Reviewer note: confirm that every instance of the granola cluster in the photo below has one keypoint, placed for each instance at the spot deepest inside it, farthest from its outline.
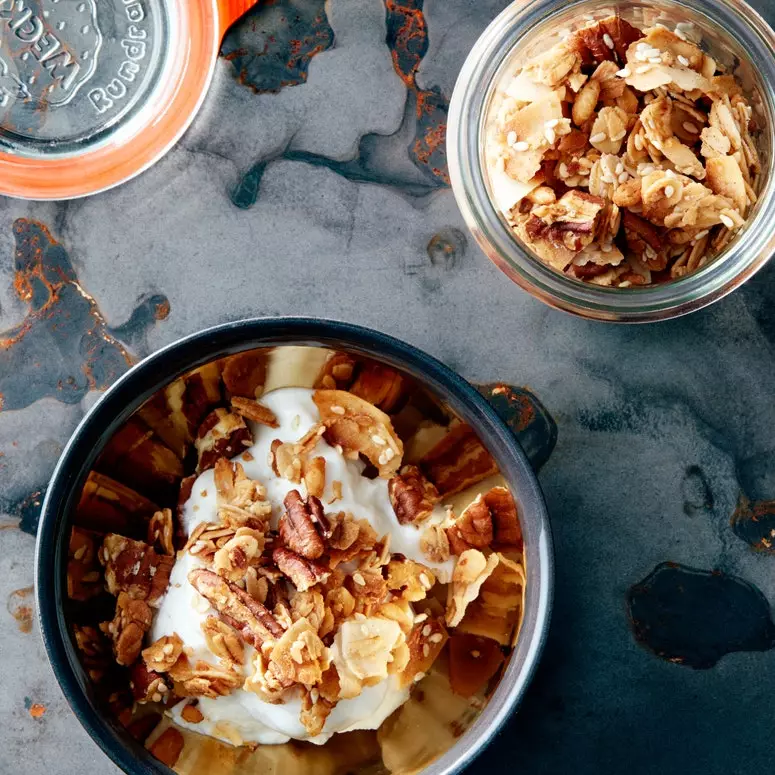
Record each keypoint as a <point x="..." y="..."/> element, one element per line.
<point x="624" y="157"/>
<point x="302" y="600"/>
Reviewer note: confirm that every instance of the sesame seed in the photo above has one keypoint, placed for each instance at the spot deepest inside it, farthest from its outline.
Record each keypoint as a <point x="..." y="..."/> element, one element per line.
<point x="511" y="138"/>
<point x="700" y="234"/>
<point x="640" y="69"/>
<point x="424" y="580"/>
<point x="436" y="637"/>
<point x="619" y="168"/>
<point x="521" y="146"/>
<point x="624" y="72"/>
<point x="638" y="142"/>
<point x="426" y="650"/>
<point x="669" y="191"/>
<point x="378" y="440"/>
<point x="598" y="138"/>
<point x="420" y="618"/>
<point x="689" y="127"/>
<point x="623" y="177"/>
<point x="655" y="60"/>
<point x="563" y="170"/>
<point x="727" y="221"/>
<point x="608" y="40"/>
<point x="669" y="173"/>
<point x="551" y="123"/>
<point x="426" y="631"/>
<point x="650" y="252"/>
<point x="680" y="34"/>
<point x="359" y="580"/>
<point x="418" y="677"/>
<point x="683" y="60"/>
<point x="389" y="454"/>
<point x="550" y="134"/>
<point x="337" y="409"/>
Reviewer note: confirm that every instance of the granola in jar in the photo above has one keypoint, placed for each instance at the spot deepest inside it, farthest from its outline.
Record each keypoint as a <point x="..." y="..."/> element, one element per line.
<point x="623" y="156"/>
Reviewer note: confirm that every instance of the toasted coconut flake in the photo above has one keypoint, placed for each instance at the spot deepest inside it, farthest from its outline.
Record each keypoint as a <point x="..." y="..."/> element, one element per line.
<point x="472" y="569"/>
<point x="354" y="423"/>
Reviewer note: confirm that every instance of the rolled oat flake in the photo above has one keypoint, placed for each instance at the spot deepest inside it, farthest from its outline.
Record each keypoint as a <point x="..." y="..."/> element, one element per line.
<point x="92" y="92"/>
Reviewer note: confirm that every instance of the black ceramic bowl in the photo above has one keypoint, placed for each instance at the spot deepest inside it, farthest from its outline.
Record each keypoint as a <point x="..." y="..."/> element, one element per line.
<point x="124" y="398"/>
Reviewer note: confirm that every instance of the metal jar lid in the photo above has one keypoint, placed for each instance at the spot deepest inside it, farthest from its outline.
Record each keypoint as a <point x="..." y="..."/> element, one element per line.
<point x="92" y="92"/>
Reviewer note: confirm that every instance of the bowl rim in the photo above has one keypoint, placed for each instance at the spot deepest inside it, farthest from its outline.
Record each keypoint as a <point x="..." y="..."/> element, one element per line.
<point x="166" y="364"/>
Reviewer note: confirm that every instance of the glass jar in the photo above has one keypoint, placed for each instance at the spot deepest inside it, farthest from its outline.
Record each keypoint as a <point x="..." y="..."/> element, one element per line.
<point x="732" y="32"/>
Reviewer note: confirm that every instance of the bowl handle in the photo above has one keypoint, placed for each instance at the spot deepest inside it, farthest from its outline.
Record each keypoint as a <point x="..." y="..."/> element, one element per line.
<point x="231" y="10"/>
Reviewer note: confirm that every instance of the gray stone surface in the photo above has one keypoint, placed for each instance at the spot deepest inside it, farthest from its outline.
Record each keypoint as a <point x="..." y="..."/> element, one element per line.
<point x="660" y="427"/>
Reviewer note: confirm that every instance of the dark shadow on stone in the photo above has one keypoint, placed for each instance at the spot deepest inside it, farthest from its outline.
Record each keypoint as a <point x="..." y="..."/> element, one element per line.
<point x="694" y="617"/>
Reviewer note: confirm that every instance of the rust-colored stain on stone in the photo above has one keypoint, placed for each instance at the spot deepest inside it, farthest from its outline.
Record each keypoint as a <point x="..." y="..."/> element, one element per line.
<point x="62" y="348"/>
<point x="272" y="45"/>
<point x="407" y="38"/>
<point x="37" y="710"/>
<point x="20" y="607"/>
<point x="754" y="523"/>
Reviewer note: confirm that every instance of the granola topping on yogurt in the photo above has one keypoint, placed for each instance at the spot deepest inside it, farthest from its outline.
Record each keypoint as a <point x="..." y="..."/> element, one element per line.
<point x="623" y="156"/>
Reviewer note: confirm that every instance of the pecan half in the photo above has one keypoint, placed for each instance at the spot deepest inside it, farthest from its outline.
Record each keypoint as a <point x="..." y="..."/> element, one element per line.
<point x="503" y="510"/>
<point x="299" y="525"/>
<point x="221" y="434"/>
<point x="412" y="496"/>
<point x="135" y="568"/>
<point x="458" y="461"/>
<point x="234" y="602"/>
<point x="132" y="620"/>
<point x="303" y="573"/>
<point x="473" y="529"/>
<point x="252" y="410"/>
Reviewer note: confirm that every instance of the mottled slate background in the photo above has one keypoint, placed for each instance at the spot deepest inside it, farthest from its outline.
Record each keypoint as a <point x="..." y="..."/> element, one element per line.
<point x="314" y="182"/>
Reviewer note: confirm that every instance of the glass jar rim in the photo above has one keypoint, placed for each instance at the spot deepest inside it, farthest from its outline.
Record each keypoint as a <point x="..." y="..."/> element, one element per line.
<point x="465" y="127"/>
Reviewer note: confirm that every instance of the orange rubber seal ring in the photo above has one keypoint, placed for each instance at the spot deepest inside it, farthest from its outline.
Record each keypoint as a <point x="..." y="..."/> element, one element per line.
<point x="195" y="38"/>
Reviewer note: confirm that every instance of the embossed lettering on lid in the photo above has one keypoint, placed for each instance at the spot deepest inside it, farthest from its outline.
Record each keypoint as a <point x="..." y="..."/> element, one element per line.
<point x="74" y="72"/>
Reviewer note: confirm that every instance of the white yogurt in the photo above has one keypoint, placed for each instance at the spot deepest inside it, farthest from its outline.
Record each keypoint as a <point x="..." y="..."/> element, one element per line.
<point x="182" y="610"/>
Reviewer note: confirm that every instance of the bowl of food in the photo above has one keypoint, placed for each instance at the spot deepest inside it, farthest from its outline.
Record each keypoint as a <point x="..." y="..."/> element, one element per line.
<point x="293" y="545"/>
<point x="615" y="159"/>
